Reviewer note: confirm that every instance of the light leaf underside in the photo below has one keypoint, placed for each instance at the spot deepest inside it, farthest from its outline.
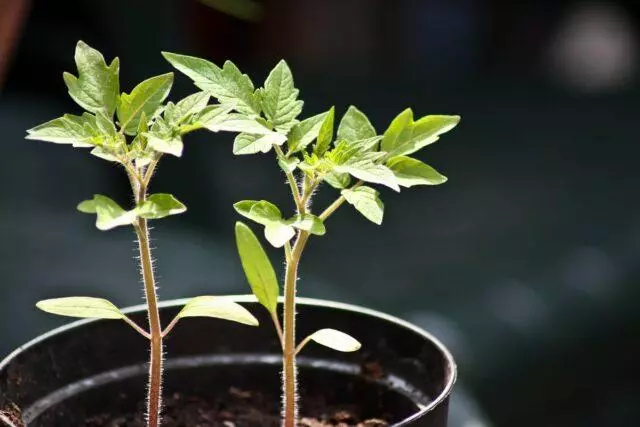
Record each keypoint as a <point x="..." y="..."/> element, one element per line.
<point x="336" y="340"/>
<point x="355" y="126"/>
<point x="68" y="129"/>
<point x="367" y="202"/>
<point x="404" y="136"/>
<point x="338" y="180"/>
<point x="278" y="233"/>
<point x="410" y="172"/>
<point x="145" y="97"/>
<point x="97" y="86"/>
<point x="218" y="307"/>
<point x="260" y="211"/>
<point x="308" y="222"/>
<point x="228" y="84"/>
<point x="246" y="143"/>
<point x="362" y="167"/>
<point x="257" y="267"/>
<point x="289" y="164"/>
<point x="85" y="307"/>
<point x="108" y="213"/>
<point x="160" y="205"/>
<point x="170" y="144"/>
<point x="279" y="100"/>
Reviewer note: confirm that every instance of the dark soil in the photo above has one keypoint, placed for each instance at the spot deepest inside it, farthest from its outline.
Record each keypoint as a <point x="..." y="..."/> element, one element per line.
<point x="240" y="408"/>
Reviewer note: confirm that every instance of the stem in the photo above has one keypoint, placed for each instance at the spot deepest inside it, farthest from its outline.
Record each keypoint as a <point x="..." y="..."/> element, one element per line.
<point x="154" y="396"/>
<point x="295" y="191"/>
<point x="276" y="323"/>
<point x="290" y="373"/>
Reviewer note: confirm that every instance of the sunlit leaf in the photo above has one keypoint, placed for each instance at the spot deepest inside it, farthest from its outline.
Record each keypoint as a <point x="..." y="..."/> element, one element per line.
<point x="218" y="307"/>
<point x="85" y="307"/>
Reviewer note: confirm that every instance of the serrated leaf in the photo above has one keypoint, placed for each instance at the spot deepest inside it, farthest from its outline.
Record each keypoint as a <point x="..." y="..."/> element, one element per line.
<point x="217" y="307"/>
<point x="246" y="143"/>
<point x="303" y="133"/>
<point x="97" y="87"/>
<point x="355" y="126"/>
<point x="406" y="136"/>
<point x="228" y="85"/>
<point x="260" y="211"/>
<point x="68" y="129"/>
<point x="288" y="164"/>
<point x="169" y="144"/>
<point x="85" y="307"/>
<point x="366" y="201"/>
<point x="308" y="222"/>
<point x="278" y="233"/>
<point x="338" y="180"/>
<point x="335" y="340"/>
<point x="280" y="98"/>
<point x="145" y="97"/>
<point x="325" y="134"/>
<point x="257" y="267"/>
<point x="364" y="167"/>
<point x="410" y="172"/>
<point x="108" y="213"/>
<point x="160" y="205"/>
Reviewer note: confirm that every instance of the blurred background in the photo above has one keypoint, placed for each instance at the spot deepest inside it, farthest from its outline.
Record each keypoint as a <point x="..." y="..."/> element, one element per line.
<point x="526" y="263"/>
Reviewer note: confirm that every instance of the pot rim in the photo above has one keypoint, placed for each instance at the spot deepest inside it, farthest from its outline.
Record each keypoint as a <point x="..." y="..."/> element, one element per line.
<point x="451" y="364"/>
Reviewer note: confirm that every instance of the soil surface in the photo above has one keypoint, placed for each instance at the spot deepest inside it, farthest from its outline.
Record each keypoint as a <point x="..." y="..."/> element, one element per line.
<point x="241" y="408"/>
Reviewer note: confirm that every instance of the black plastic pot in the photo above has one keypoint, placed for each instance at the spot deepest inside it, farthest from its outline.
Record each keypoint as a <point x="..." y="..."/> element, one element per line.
<point x="97" y="366"/>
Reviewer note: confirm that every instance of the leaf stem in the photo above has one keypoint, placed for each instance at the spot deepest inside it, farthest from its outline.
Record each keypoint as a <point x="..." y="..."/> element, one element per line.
<point x="302" y="344"/>
<point x="276" y="323"/>
<point x="295" y="191"/>
<point x="337" y="203"/>
<point x="135" y="326"/>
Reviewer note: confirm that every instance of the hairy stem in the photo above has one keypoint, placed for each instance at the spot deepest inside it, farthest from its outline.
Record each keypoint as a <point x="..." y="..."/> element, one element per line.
<point x="154" y="393"/>
<point x="289" y="377"/>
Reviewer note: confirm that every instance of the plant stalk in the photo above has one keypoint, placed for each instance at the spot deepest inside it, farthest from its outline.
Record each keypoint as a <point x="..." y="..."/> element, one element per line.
<point x="154" y="393"/>
<point x="289" y="377"/>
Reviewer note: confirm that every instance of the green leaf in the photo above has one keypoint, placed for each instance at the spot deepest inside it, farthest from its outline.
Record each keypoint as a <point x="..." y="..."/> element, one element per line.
<point x="221" y="308"/>
<point x="68" y="129"/>
<point x="364" y="167"/>
<point x="278" y="233"/>
<point x="326" y="133"/>
<point x="308" y="222"/>
<point x="97" y="87"/>
<point x="355" y="126"/>
<point x="145" y="97"/>
<point x="109" y="213"/>
<point x="228" y="85"/>
<point x="335" y="340"/>
<point x="104" y="154"/>
<point x="160" y="205"/>
<point x="257" y="267"/>
<point x="404" y="136"/>
<point x="188" y="108"/>
<point x="238" y="123"/>
<point x="288" y="164"/>
<point x="410" y="172"/>
<point x="366" y="201"/>
<point x="280" y="98"/>
<point x="260" y="211"/>
<point x="338" y="180"/>
<point x="85" y="307"/>
<point x="169" y="144"/>
<point x="246" y="143"/>
<point x="303" y="133"/>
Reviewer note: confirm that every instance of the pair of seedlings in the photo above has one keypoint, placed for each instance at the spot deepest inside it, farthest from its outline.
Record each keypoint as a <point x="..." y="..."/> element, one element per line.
<point x="136" y="129"/>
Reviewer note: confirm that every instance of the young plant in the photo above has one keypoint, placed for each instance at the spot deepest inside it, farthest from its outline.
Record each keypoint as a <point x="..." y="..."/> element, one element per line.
<point x="309" y="154"/>
<point x="143" y="130"/>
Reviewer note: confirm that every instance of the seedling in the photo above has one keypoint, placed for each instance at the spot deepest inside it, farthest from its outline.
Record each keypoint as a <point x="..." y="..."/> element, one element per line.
<point x="309" y="154"/>
<point x="144" y="129"/>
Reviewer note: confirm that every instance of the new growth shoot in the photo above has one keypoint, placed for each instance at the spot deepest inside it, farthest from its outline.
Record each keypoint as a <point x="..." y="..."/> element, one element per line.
<point x="133" y="130"/>
<point x="352" y="160"/>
